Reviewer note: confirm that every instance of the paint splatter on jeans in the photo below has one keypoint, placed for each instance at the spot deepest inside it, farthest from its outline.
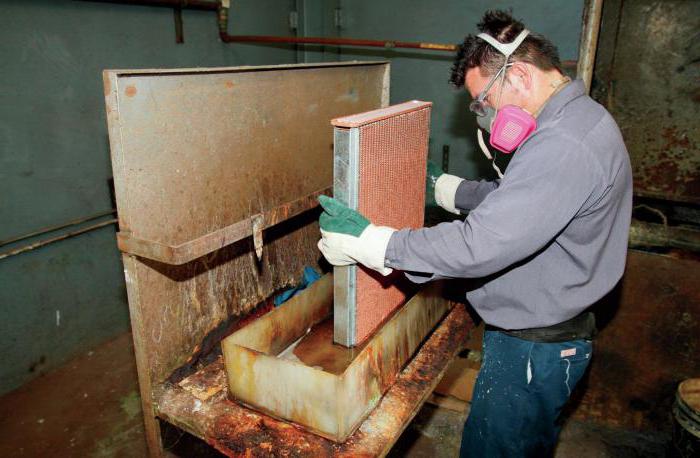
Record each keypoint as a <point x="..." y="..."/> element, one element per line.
<point x="519" y="395"/>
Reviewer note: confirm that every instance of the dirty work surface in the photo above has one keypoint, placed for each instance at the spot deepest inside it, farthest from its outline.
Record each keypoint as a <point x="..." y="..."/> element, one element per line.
<point x="52" y="417"/>
<point x="235" y="430"/>
<point x="89" y="407"/>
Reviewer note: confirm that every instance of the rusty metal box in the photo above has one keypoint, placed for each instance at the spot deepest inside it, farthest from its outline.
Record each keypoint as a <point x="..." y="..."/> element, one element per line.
<point x="332" y="395"/>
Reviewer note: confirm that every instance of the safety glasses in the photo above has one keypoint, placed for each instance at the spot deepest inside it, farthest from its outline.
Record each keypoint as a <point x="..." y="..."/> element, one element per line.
<point x="478" y="105"/>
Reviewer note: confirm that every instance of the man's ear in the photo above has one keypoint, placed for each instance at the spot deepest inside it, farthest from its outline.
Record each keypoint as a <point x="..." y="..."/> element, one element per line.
<point x="521" y="77"/>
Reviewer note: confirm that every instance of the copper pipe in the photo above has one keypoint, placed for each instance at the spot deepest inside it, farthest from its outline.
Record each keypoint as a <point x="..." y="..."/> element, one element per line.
<point x="226" y="38"/>
<point x="183" y="4"/>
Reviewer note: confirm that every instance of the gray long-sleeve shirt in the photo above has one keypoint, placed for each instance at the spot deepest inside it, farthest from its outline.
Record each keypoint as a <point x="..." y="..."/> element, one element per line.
<point x="547" y="240"/>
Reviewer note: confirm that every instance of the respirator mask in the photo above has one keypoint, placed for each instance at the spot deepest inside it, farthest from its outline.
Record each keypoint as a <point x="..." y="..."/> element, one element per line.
<point x="510" y="125"/>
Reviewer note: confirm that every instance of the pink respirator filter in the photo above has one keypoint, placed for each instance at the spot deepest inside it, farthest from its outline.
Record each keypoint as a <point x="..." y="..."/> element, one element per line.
<point x="511" y="127"/>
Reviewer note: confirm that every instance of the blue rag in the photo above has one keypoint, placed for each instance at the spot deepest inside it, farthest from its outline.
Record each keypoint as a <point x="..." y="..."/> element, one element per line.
<point x="310" y="275"/>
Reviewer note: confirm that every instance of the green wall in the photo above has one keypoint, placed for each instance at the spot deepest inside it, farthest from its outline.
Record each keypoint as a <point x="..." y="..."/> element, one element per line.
<point x="67" y="297"/>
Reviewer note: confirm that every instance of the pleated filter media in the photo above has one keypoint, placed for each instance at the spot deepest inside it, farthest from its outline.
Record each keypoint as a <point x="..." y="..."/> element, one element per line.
<point x="379" y="169"/>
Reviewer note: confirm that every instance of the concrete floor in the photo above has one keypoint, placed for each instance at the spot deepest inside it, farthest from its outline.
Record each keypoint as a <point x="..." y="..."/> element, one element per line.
<point x="436" y="433"/>
<point x="90" y="407"/>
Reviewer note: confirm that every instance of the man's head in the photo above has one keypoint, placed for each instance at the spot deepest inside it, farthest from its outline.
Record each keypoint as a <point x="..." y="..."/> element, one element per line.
<point x="532" y="70"/>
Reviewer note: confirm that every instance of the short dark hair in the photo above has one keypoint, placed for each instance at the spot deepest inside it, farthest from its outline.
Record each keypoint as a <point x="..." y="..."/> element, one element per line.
<point x="475" y="52"/>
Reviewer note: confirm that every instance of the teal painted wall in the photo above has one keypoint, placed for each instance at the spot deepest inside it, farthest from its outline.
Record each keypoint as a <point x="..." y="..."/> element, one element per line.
<point x="64" y="298"/>
<point x="424" y="75"/>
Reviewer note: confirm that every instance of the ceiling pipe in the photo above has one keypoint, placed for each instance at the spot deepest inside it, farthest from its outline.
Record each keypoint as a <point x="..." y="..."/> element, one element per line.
<point x="387" y="44"/>
<point x="336" y="41"/>
<point x="226" y="38"/>
<point x="180" y="4"/>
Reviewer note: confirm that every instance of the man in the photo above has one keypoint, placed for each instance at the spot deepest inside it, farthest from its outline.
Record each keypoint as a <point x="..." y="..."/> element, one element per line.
<point x="546" y="241"/>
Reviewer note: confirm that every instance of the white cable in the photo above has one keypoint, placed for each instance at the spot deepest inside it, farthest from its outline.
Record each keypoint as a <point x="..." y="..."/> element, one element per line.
<point x="498" y="171"/>
<point x="482" y="144"/>
<point x="487" y="153"/>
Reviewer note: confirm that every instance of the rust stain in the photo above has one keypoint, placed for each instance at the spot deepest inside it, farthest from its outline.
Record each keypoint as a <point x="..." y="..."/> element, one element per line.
<point x="669" y="167"/>
<point x="229" y="84"/>
<point x="209" y="348"/>
<point x="318" y="350"/>
<point x="130" y="91"/>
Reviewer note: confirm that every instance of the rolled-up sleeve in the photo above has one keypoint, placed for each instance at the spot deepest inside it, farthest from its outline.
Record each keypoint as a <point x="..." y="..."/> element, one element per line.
<point x="546" y="185"/>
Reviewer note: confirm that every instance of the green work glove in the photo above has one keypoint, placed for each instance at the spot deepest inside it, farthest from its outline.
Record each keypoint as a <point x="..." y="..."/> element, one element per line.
<point x="349" y="238"/>
<point x="434" y="172"/>
<point x="337" y="217"/>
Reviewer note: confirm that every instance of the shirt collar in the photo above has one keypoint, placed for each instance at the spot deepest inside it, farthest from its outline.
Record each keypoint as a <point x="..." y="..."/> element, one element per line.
<point x="573" y="90"/>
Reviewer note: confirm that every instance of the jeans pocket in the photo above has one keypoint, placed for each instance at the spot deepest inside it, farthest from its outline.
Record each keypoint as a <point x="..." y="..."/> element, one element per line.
<point x="559" y="365"/>
<point x="576" y="351"/>
<point x="572" y="372"/>
<point x="574" y="359"/>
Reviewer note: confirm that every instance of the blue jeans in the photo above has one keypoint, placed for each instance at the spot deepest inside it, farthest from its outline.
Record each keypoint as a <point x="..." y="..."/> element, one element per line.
<point x="519" y="394"/>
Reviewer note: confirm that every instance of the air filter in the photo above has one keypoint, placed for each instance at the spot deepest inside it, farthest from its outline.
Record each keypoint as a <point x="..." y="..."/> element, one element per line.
<point x="379" y="169"/>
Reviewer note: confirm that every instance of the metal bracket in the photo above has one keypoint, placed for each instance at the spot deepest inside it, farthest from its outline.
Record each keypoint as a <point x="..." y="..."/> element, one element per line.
<point x="207" y="243"/>
<point x="258" y="224"/>
<point x="293" y="20"/>
<point x="179" y="29"/>
<point x="338" y="18"/>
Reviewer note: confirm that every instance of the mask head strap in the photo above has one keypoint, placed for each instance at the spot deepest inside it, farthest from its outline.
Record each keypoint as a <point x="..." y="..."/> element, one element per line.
<point x="507" y="49"/>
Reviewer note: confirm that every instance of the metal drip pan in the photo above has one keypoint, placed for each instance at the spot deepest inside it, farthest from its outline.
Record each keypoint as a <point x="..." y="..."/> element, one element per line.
<point x="285" y="363"/>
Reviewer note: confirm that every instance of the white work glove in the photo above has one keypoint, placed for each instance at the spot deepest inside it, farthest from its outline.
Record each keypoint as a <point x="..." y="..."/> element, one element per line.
<point x="445" y="191"/>
<point x="347" y="237"/>
<point x="369" y="249"/>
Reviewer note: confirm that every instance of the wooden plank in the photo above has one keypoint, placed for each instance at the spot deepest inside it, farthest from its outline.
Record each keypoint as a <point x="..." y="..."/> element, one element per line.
<point x="448" y="402"/>
<point x="460" y="378"/>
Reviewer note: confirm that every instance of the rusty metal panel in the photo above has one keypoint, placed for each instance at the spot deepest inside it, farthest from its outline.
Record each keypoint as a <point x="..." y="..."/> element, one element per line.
<point x="196" y="248"/>
<point x="196" y="151"/>
<point x="649" y="71"/>
<point x="324" y="391"/>
<point x="379" y="169"/>
<point x="199" y="405"/>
